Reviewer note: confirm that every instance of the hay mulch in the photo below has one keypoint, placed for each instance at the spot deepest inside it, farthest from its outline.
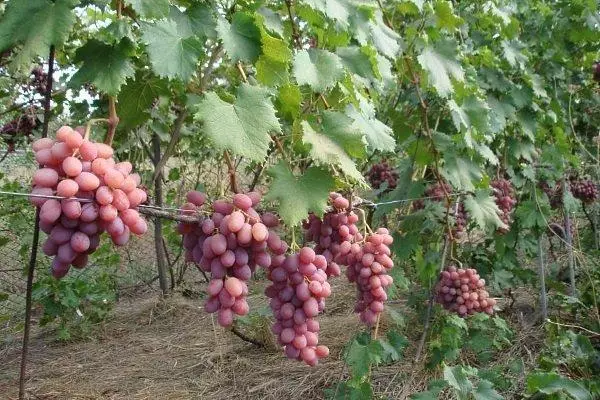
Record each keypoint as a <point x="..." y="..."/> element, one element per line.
<point x="172" y="349"/>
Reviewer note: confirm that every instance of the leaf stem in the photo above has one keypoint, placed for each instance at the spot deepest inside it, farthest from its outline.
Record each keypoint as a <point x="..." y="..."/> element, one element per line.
<point x="231" y="171"/>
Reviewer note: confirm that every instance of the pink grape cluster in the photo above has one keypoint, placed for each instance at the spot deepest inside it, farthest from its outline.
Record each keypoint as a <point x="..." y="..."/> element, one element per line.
<point x="436" y="192"/>
<point x="298" y="291"/>
<point x="72" y="166"/>
<point x="380" y="173"/>
<point x="463" y="292"/>
<point x="368" y="266"/>
<point x="230" y="244"/>
<point x="554" y="193"/>
<point x="584" y="190"/>
<point x="333" y="234"/>
<point x="504" y="194"/>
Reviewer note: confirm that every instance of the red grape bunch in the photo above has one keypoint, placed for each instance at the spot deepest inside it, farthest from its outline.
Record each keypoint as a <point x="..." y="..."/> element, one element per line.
<point x="380" y="173"/>
<point x="72" y="166"/>
<point x="584" y="190"/>
<point x="368" y="266"/>
<point x="505" y="200"/>
<point x="39" y="79"/>
<point x="463" y="292"/>
<point x="298" y="292"/>
<point x="436" y="192"/>
<point x="333" y="234"/>
<point x="230" y="244"/>
<point x="554" y="193"/>
<point x="596" y="72"/>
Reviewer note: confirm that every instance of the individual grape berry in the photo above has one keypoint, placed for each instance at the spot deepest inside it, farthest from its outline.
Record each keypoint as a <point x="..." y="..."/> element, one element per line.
<point x="504" y="195"/>
<point x="462" y="291"/>
<point x="380" y="173"/>
<point x="70" y="167"/>
<point x="368" y="266"/>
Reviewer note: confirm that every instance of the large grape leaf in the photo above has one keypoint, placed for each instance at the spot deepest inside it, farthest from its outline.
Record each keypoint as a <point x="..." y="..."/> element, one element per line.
<point x="335" y="144"/>
<point x="173" y="51"/>
<point x="150" y="8"/>
<point x="299" y="195"/>
<point x="460" y="172"/>
<point x="441" y="65"/>
<point x="202" y="21"/>
<point x="317" y="68"/>
<point x="337" y="10"/>
<point x="361" y="61"/>
<point x="273" y="64"/>
<point x="457" y="379"/>
<point x="551" y="383"/>
<point x="482" y="208"/>
<point x="242" y="127"/>
<point x="105" y="66"/>
<point x="386" y="40"/>
<point x="35" y="25"/>
<point x="378" y="135"/>
<point x="485" y="391"/>
<point x="242" y="38"/>
<point x="362" y="353"/>
<point x="136" y="98"/>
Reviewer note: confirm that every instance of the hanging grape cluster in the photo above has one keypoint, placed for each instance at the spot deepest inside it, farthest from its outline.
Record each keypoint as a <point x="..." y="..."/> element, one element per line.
<point x="554" y="194"/>
<point x="380" y="173"/>
<point x="462" y="291"/>
<point x="368" y="266"/>
<point x="596" y="72"/>
<point x="229" y="244"/>
<point x="105" y="195"/>
<point x="584" y="189"/>
<point x="439" y="192"/>
<point x="298" y="291"/>
<point x="504" y="194"/>
<point x="21" y="126"/>
<point x="334" y="233"/>
<point x="39" y="80"/>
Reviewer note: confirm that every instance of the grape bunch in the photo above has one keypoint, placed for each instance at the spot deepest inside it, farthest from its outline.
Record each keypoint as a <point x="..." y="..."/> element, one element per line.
<point x="596" y="73"/>
<point x="437" y="192"/>
<point x="333" y="234"/>
<point x="504" y="194"/>
<point x="368" y="264"/>
<point x="380" y="173"/>
<point x="22" y="125"/>
<point x="584" y="190"/>
<point x="230" y="244"/>
<point x="105" y="196"/>
<point x="463" y="292"/>
<point x="39" y="79"/>
<point x="554" y="193"/>
<point x="298" y="291"/>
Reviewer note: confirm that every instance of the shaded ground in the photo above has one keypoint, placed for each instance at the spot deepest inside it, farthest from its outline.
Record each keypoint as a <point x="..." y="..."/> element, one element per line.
<point x="172" y="349"/>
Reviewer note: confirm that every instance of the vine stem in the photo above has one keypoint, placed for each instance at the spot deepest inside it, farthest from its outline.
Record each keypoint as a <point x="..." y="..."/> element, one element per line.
<point x="542" y="277"/>
<point x="113" y="121"/>
<point x="246" y="338"/>
<point x="231" y="170"/>
<point x="36" y="237"/>
<point x="569" y="239"/>
<point x="295" y="34"/>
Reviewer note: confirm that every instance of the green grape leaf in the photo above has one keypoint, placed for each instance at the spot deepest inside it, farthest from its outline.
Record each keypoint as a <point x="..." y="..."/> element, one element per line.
<point x="317" y="68"/>
<point x="386" y="40"/>
<point x="299" y="195"/>
<point x="457" y="379"/>
<point x="272" y="20"/>
<point x="202" y="21"/>
<point x="445" y="15"/>
<point x="485" y="391"/>
<point x="393" y="346"/>
<point x="512" y="53"/>
<point x="173" y="53"/>
<point x="35" y="25"/>
<point x="242" y="127"/>
<point x="242" y="38"/>
<point x="434" y="388"/>
<point x="460" y="172"/>
<point x="105" y="66"/>
<point x="337" y="10"/>
<point x="472" y="113"/>
<point x="378" y="135"/>
<point x="482" y="208"/>
<point x="150" y="8"/>
<point x="289" y="101"/>
<point x="361" y="61"/>
<point x="551" y="383"/>
<point x="272" y="65"/>
<point x="136" y="98"/>
<point x="361" y="356"/>
<point x="441" y="65"/>
<point x="330" y="149"/>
